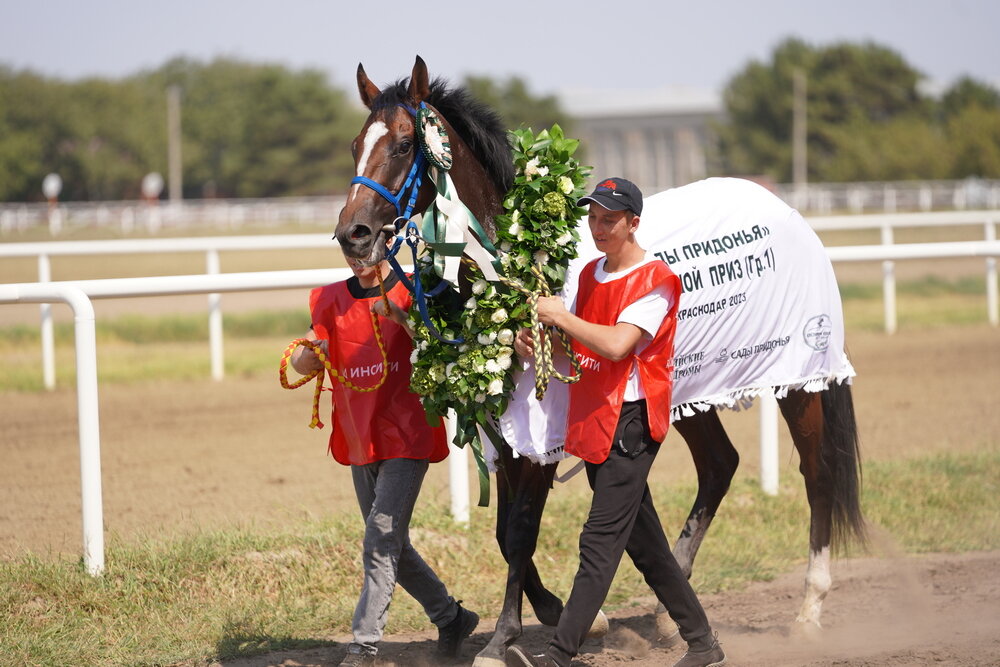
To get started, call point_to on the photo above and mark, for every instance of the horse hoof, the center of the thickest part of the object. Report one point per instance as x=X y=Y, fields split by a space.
x=599 y=627
x=667 y=631
x=808 y=630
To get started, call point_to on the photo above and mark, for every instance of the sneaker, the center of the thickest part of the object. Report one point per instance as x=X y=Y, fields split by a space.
x=518 y=657
x=358 y=659
x=713 y=656
x=451 y=636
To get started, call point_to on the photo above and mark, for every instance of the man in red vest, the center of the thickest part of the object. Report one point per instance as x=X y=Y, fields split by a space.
x=383 y=435
x=622 y=325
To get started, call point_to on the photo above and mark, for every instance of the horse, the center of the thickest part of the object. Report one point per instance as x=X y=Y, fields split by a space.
x=822 y=423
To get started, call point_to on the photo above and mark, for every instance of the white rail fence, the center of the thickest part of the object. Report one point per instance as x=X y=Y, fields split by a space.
x=211 y=246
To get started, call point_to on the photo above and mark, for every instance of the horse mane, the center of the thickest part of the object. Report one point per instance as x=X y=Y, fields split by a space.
x=480 y=127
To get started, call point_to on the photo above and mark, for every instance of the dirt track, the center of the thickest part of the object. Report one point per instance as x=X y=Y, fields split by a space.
x=938 y=609
x=239 y=451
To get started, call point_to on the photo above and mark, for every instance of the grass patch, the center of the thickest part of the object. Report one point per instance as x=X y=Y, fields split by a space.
x=134 y=348
x=207 y=596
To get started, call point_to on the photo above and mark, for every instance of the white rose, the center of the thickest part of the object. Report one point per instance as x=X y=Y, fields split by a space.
x=449 y=368
x=496 y=387
x=479 y=286
x=492 y=366
x=414 y=355
x=471 y=303
x=505 y=246
x=478 y=366
x=566 y=185
x=505 y=336
x=515 y=216
x=463 y=347
x=531 y=169
x=564 y=239
x=499 y=316
x=521 y=259
x=505 y=352
x=484 y=339
x=514 y=229
x=503 y=362
x=543 y=171
x=422 y=345
x=541 y=257
x=480 y=398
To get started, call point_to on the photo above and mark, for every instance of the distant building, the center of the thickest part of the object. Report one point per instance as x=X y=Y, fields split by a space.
x=658 y=138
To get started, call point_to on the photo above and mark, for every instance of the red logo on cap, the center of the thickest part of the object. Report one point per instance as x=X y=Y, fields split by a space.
x=609 y=184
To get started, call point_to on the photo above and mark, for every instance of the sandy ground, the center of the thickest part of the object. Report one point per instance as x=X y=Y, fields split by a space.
x=179 y=455
x=924 y=610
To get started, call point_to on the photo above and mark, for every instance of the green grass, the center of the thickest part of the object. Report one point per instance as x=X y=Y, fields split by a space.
x=207 y=596
x=135 y=348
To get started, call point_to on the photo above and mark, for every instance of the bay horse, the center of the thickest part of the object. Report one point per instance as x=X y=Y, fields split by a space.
x=822 y=424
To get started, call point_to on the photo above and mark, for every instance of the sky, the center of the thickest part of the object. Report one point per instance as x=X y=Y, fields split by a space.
x=584 y=44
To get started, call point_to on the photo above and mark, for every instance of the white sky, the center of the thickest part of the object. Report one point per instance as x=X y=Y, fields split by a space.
x=553 y=45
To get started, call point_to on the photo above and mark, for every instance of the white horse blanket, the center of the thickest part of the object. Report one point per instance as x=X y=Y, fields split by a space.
x=760 y=308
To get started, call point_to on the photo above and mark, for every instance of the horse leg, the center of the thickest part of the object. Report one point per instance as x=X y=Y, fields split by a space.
x=804 y=413
x=522 y=489
x=825 y=435
x=715 y=460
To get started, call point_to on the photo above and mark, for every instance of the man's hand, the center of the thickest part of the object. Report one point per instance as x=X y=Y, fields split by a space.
x=304 y=360
x=395 y=313
x=524 y=343
x=551 y=310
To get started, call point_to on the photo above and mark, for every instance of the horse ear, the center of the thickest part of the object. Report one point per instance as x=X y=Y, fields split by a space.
x=419 y=88
x=368 y=90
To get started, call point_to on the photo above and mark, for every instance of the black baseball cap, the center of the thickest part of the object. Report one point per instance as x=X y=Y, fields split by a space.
x=615 y=194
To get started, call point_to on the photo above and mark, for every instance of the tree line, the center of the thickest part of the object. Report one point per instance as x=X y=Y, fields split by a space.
x=264 y=130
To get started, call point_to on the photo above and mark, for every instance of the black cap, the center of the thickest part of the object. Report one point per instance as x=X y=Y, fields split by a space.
x=615 y=194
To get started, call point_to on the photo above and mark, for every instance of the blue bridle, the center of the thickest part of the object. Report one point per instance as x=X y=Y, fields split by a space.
x=411 y=185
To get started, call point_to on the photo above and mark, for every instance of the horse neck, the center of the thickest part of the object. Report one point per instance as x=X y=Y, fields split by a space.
x=474 y=185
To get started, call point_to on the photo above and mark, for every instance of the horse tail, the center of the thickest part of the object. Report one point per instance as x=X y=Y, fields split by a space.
x=841 y=455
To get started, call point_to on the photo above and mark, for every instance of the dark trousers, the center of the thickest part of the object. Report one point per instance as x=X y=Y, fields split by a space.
x=622 y=519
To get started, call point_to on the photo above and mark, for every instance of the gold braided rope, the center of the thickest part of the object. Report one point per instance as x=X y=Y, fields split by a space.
x=320 y=373
x=545 y=369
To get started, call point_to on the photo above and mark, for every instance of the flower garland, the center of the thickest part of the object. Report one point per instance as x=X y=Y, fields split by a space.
x=538 y=226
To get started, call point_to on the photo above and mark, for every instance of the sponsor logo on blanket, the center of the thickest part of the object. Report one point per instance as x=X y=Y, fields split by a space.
x=817 y=332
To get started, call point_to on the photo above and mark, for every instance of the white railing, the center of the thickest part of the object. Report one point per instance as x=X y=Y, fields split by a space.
x=79 y=294
x=212 y=245
x=891 y=196
x=129 y=217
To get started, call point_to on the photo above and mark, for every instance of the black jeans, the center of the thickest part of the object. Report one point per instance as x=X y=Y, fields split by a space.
x=622 y=519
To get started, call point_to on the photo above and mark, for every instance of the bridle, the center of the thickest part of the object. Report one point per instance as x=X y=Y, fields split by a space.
x=412 y=234
x=411 y=185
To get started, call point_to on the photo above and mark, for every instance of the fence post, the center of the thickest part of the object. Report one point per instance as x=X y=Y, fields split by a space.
x=768 y=442
x=215 y=318
x=992 y=306
x=87 y=407
x=48 y=335
x=889 y=283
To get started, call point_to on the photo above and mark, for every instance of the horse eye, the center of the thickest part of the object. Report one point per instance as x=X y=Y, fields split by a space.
x=405 y=146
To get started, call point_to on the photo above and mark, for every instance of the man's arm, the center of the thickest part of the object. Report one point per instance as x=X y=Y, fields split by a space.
x=615 y=342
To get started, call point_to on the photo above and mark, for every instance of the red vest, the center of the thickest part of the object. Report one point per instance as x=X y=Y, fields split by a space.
x=595 y=401
x=386 y=423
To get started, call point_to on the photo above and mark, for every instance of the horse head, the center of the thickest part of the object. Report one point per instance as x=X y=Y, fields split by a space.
x=391 y=183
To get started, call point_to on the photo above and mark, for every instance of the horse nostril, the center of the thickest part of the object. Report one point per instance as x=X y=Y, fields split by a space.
x=360 y=232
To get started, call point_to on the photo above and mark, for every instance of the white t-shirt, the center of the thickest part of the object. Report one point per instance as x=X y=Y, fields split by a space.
x=647 y=313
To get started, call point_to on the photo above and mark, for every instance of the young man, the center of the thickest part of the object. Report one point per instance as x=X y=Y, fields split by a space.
x=622 y=325
x=383 y=435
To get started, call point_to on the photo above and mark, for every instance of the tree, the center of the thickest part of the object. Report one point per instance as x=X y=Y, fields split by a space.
x=850 y=88
x=517 y=106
